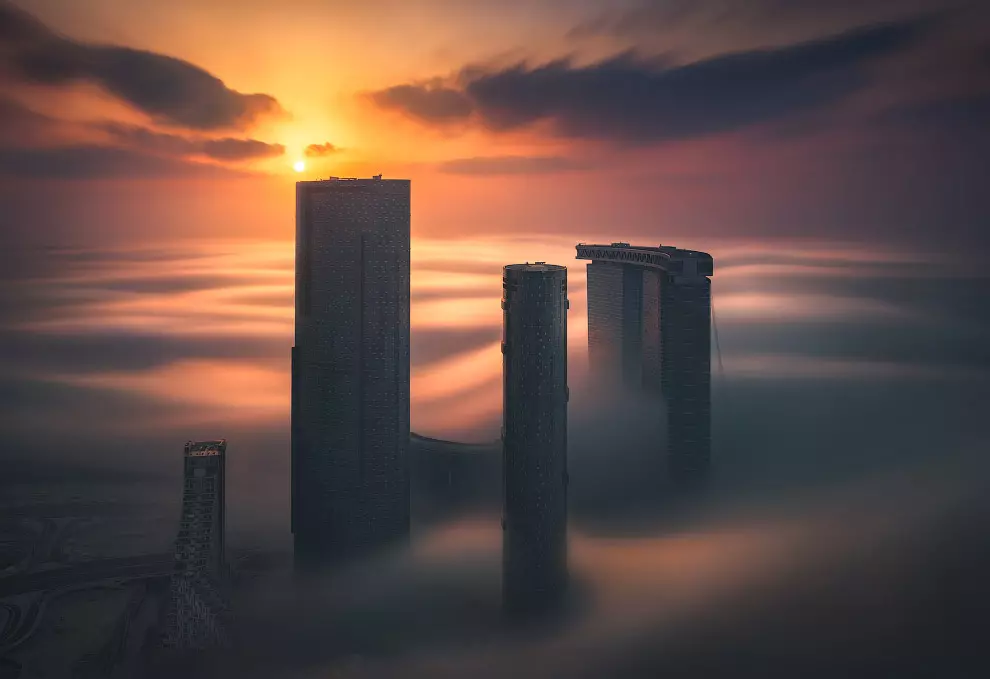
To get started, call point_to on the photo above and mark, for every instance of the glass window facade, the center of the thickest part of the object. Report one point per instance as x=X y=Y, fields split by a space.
x=672 y=323
x=350 y=375
x=534 y=436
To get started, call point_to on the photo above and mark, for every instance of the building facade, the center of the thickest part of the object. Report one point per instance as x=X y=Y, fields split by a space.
x=197 y=614
x=199 y=545
x=673 y=323
x=534 y=436
x=350 y=367
x=615 y=301
x=450 y=478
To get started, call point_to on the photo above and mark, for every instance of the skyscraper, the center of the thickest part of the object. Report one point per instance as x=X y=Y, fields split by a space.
x=673 y=323
x=534 y=436
x=199 y=545
x=350 y=367
x=197 y=615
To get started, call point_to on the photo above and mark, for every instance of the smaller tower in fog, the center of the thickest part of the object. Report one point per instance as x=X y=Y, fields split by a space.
x=198 y=615
x=534 y=436
x=200 y=543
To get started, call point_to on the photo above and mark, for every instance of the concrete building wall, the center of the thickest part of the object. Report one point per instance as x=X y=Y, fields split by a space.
x=197 y=609
x=685 y=330
x=198 y=616
x=200 y=543
x=535 y=397
x=350 y=409
x=673 y=323
x=615 y=298
x=605 y=321
x=652 y=347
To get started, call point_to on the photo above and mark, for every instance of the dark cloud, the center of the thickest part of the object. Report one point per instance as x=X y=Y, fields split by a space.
x=632 y=99
x=642 y=19
x=225 y=149
x=318 y=150
x=19 y=124
x=508 y=165
x=99 y=162
x=433 y=104
x=964 y=113
x=240 y=149
x=26 y=150
x=169 y=90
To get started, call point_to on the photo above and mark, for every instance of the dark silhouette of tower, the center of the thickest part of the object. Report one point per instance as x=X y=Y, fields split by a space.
x=350 y=367
x=197 y=615
x=200 y=542
x=534 y=436
x=662 y=342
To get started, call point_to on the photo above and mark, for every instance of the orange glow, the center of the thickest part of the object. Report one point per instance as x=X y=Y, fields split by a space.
x=233 y=296
x=236 y=390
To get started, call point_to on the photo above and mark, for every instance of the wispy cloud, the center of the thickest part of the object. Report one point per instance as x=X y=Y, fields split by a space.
x=627 y=98
x=320 y=150
x=170 y=90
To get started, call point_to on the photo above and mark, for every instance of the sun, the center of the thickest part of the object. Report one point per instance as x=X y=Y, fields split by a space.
x=299 y=166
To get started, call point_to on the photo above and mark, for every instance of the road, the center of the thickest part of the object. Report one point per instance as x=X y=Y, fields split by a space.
x=21 y=623
x=11 y=624
x=125 y=568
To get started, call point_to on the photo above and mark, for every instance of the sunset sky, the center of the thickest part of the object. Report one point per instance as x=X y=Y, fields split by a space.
x=828 y=119
x=831 y=155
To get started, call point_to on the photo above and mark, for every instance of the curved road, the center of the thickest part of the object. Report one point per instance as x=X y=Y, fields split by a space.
x=23 y=625
x=11 y=624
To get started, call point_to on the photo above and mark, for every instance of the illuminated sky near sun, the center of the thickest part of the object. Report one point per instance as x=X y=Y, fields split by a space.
x=821 y=118
x=830 y=154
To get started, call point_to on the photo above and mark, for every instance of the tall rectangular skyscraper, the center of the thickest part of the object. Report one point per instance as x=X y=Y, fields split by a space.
x=350 y=366
x=197 y=615
x=534 y=436
x=199 y=545
x=650 y=326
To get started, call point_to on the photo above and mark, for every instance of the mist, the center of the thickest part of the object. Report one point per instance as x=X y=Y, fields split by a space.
x=877 y=576
x=842 y=533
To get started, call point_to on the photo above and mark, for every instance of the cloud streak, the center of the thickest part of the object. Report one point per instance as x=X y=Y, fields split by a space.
x=223 y=149
x=645 y=19
x=88 y=161
x=629 y=99
x=320 y=150
x=509 y=165
x=169 y=90
x=429 y=103
x=30 y=148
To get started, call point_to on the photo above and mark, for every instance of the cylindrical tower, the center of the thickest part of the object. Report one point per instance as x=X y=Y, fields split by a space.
x=534 y=436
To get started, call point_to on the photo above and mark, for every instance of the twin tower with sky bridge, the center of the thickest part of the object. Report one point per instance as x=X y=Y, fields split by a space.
x=649 y=328
x=648 y=321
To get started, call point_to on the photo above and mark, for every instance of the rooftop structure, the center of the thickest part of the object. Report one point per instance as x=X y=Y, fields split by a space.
x=664 y=257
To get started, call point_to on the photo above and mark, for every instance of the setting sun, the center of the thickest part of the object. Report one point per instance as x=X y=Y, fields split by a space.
x=299 y=166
